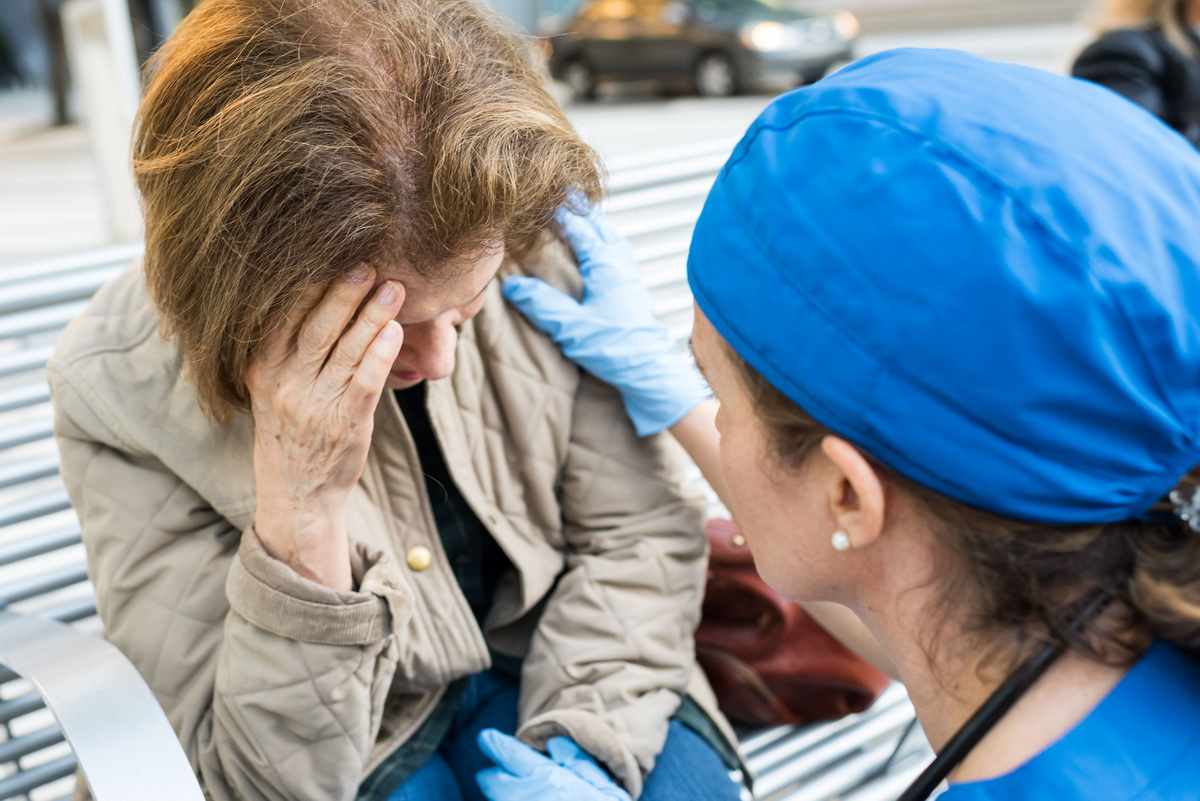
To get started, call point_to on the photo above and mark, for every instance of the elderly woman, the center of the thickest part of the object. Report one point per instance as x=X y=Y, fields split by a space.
x=342 y=506
x=1150 y=53
x=949 y=311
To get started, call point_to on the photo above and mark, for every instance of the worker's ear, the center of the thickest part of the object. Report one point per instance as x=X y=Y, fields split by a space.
x=856 y=498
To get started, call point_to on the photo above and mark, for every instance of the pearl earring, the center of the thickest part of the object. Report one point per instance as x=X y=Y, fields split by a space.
x=841 y=542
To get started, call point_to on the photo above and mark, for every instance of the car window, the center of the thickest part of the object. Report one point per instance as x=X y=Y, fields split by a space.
x=736 y=6
x=607 y=10
x=655 y=10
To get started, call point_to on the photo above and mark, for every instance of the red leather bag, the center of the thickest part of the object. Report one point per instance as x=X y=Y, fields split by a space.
x=768 y=661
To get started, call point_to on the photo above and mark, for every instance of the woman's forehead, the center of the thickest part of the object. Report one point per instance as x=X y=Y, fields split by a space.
x=428 y=297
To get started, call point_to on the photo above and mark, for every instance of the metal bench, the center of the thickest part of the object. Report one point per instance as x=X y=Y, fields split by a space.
x=68 y=699
x=62 y=689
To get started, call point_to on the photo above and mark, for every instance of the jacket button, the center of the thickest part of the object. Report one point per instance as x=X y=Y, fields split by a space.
x=419 y=558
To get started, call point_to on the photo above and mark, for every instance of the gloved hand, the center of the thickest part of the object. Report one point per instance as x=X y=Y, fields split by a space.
x=612 y=333
x=523 y=774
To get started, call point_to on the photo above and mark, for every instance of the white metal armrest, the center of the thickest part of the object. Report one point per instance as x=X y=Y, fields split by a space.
x=120 y=735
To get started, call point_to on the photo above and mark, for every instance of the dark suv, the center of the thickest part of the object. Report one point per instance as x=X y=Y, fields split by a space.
x=715 y=47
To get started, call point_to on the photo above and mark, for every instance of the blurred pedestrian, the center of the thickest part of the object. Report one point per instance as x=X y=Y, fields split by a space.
x=1150 y=53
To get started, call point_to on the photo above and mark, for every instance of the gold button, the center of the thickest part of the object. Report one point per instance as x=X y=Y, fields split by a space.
x=419 y=558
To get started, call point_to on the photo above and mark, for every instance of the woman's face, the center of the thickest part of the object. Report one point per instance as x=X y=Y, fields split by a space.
x=780 y=510
x=431 y=314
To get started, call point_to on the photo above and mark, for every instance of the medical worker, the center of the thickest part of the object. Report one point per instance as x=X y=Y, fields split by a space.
x=951 y=312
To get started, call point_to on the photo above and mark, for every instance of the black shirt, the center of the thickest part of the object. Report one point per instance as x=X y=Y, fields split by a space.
x=476 y=559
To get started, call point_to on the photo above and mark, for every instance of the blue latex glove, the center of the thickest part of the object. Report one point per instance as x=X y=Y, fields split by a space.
x=523 y=774
x=612 y=333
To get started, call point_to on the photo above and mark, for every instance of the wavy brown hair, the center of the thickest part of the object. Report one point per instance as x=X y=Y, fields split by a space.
x=1025 y=584
x=281 y=143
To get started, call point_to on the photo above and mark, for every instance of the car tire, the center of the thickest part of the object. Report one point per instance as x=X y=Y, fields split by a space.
x=580 y=80
x=715 y=75
x=815 y=75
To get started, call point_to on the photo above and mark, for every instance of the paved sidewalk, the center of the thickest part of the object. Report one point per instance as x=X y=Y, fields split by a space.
x=49 y=190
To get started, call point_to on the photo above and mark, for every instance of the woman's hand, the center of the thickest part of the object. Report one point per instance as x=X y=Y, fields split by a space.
x=612 y=333
x=313 y=387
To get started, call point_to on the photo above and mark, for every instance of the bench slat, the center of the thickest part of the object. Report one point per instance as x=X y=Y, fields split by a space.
x=32 y=778
x=20 y=706
x=668 y=172
x=25 y=433
x=23 y=397
x=51 y=580
x=889 y=787
x=643 y=225
x=695 y=191
x=799 y=766
x=843 y=776
x=47 y=292
x=27 y=470
x=117 y=255
x=72 y=611
x=25 y=360
x=38 y=544
x=776 y=745
x=47 y=503
x=39 y=321
x=23 y=746
x=618 y=166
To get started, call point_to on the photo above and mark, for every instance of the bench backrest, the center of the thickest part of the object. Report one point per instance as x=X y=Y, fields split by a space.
x=41 y=559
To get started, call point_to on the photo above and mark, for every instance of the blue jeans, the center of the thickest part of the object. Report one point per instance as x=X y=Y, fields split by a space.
x=686 y=770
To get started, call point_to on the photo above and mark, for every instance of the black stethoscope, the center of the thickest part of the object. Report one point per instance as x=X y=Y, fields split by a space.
x=994 y=708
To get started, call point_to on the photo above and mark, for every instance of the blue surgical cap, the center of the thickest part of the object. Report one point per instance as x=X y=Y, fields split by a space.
x=984 y=275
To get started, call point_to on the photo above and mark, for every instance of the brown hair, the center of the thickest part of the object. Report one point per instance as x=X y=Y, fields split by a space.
x=1169 y=15
x=281 y=143
x=1028 y=583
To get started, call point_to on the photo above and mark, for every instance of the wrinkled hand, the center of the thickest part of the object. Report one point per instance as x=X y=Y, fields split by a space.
x=612 y=333
x=523 y=774
x=314 y=385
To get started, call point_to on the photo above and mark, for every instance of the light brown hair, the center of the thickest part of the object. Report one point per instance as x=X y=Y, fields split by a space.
x=281 y=143
x=1026 y=584
x=1169 y=15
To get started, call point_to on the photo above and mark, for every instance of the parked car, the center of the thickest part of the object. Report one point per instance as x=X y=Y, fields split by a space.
x=714 y=47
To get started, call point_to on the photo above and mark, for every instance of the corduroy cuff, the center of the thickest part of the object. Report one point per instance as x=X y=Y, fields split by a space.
x=271 y=595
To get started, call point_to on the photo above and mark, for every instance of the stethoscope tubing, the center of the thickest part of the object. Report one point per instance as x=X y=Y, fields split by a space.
x=993 y=709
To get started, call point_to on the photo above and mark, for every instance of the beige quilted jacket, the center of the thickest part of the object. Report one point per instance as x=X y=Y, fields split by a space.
x=280 y=688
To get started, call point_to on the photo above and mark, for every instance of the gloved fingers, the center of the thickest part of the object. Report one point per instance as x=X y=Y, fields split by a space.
x=511 y=754
x=500 y=785
x=604 y=256
x=565 y=752
x=604 y=230
x=581 y=234
x=543 y=305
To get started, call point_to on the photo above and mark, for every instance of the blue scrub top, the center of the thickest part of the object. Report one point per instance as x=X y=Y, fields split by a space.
x=1141 y=742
